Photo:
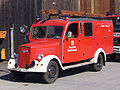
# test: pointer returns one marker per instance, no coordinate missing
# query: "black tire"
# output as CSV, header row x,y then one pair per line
x,y
18,75
52,72
98,66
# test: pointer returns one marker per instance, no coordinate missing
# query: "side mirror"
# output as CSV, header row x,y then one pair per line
x,y
23,29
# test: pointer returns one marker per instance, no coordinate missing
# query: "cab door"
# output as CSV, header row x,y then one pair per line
x,y
88,40
81,46
71,44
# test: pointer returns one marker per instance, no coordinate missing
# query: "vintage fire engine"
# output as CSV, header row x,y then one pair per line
x,y
62,44
116,33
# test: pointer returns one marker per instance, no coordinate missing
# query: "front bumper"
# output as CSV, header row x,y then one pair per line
x,y
30,70
37,68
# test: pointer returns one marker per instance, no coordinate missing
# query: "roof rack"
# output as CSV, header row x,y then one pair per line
x,y
73,14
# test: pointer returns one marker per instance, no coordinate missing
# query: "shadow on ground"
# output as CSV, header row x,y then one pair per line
x,y
36,78
116,59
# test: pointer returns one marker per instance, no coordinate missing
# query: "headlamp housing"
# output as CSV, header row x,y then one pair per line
x,y
40,56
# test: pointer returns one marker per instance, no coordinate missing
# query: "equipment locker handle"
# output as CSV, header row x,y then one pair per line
x,y
105,36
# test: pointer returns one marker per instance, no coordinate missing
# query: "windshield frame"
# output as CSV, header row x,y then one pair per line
x,y
47,30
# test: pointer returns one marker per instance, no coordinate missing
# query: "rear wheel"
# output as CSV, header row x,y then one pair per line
x,y
98,66
18,75
52,72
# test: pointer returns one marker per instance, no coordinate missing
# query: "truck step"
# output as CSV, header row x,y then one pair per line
x,y
77,65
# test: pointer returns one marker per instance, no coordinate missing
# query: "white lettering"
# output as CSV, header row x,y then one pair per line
x,y
105,25
102,25
72,47
72,50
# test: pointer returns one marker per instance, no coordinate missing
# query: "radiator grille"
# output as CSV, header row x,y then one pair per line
x,y
24,56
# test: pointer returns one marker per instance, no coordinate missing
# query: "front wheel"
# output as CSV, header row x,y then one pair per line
x,y
98,66
52,72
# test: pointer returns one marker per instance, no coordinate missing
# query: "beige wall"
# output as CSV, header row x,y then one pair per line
x,y
117,6
95,6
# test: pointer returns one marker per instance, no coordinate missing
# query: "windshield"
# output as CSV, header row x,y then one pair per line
x,y
116,23
53,32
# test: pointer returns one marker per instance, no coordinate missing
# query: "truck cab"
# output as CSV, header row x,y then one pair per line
x,y
62,43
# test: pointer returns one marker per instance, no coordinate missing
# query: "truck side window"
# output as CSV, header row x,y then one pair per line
x,y
88,31
80,27
73,30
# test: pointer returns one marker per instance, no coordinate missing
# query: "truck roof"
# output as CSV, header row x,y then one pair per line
x,y
63,22
82,19
53,22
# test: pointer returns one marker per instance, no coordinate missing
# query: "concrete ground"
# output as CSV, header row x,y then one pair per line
x,y
80,78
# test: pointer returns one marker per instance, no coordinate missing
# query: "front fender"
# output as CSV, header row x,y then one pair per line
x,y
45,61
39,66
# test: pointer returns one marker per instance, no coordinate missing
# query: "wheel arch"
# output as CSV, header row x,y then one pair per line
x,y
102,52
59,63
45,61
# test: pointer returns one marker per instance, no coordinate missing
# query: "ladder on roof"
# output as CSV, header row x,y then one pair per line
x,y
70,13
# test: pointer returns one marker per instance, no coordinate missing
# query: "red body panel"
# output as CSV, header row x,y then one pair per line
x,y
46,47
102,38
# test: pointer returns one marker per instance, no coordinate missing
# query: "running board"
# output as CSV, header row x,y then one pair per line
x,y
77,65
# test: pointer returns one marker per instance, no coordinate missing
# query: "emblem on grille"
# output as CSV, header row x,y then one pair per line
x,y
24,51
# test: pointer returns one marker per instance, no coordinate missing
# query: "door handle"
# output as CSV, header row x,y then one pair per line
x,y
105,36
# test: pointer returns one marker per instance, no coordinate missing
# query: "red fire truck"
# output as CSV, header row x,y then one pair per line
x,y
116,33
62,44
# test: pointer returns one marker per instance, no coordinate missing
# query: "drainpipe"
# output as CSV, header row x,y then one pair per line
x,y
12,40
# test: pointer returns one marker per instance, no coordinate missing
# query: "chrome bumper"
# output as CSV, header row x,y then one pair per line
x,y
116,49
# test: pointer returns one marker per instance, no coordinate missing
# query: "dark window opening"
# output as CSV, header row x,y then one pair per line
x,y
80,28
73,29
88,29
52,32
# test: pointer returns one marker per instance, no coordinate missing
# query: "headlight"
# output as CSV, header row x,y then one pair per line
x,y
22,29
40,56
34,63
